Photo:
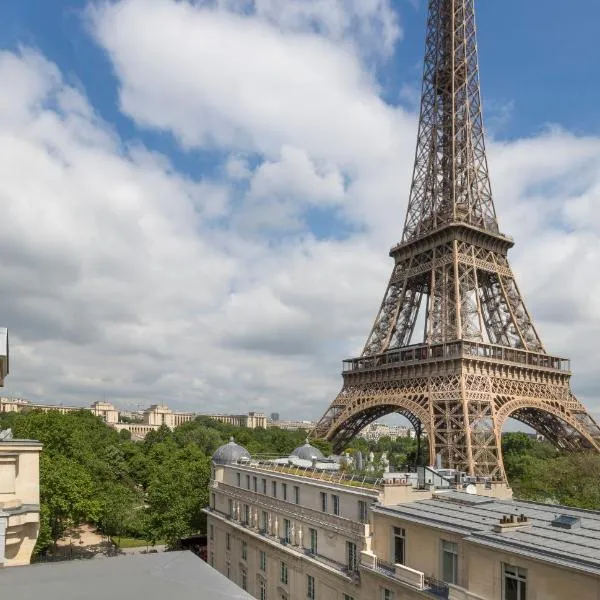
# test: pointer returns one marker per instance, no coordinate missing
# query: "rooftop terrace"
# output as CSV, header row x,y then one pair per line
x,y
326,476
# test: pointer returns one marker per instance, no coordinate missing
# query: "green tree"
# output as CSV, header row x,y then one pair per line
x,y
66,494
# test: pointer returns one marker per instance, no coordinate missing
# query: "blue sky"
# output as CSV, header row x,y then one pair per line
x,y
199,199
537,63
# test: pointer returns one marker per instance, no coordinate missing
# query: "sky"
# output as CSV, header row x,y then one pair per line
x,y
198,198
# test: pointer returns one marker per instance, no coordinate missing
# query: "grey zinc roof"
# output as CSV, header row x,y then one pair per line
x,y
230,453
475,517
172,575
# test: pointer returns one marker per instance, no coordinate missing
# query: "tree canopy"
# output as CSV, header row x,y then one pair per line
x,y
154,490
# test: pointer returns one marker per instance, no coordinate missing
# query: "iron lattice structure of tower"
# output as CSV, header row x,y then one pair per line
x,y
481,359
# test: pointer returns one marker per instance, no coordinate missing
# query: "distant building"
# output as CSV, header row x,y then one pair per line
x,y
19,499
275,417
149,420
106,411
295,425
375,431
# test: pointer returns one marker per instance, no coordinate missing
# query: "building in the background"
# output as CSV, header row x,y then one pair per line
x,y
251,420
293,532
106,411
375,431
138,423
274,417
295,425
158,415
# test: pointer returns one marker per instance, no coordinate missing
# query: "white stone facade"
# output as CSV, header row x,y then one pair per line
x,y
19,500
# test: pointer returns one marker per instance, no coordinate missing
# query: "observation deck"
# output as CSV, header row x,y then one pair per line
x,y
432,353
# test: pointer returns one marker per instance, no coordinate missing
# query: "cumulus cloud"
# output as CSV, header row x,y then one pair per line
x,y
128,278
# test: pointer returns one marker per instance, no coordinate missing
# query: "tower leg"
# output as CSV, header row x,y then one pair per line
x,y
418,457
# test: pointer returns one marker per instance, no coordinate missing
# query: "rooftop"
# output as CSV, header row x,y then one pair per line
x,y
173,575
573,540
320,473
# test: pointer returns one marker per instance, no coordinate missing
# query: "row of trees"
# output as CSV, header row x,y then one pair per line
x,y
155,490
539,472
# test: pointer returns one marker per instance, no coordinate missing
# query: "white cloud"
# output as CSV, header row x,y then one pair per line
x,y
371,25
245,85
129,279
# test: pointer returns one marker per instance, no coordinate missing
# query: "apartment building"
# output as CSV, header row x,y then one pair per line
x,y
291,532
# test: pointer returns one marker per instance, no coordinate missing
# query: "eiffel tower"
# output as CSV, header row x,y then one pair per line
x,y
481,360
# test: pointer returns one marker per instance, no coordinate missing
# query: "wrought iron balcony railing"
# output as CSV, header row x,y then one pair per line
x,y
351,572
409,576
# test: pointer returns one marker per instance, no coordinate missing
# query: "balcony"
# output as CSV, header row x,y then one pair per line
x,y
296,512
350,572
333,566
405,575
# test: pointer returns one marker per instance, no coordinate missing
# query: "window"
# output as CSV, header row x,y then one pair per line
x,y
399,545
244,551
244,580
238,479
336,504
262,588
264,486
255,484
230,507
228,541
284,490
363,512
212,532
213,500
274,489
449,562
310,587
348,597
386,594
247,482
228,570
212,559
351,557
264,520
313,541
323,501
287,531
246,514
284,573
515,583
296,494
263,561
